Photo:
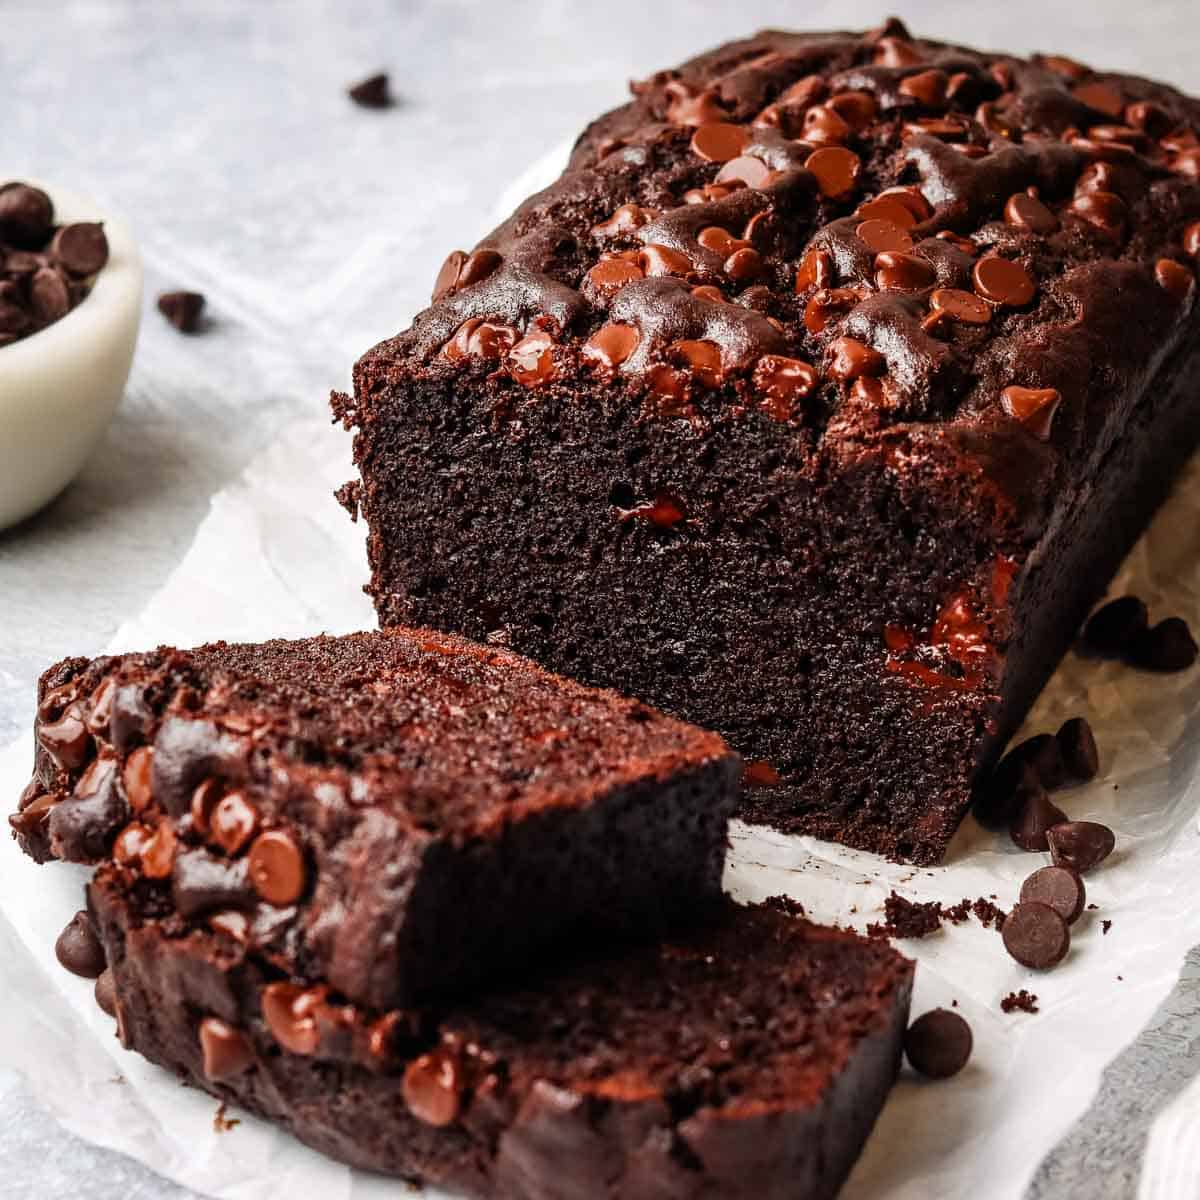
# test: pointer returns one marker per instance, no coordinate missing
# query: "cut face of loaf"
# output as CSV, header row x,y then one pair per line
x,y
815,403
401,813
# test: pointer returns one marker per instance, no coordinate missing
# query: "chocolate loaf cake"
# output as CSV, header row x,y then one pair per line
x,y
400,814
748,1059
815,402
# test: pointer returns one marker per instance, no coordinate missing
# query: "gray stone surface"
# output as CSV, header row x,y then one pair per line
x,y
220,129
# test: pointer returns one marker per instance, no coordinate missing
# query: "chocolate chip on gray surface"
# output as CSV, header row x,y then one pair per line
x,y
1036,816
1035,935
182,309
79,948
1112,628
1077,746
1058,886
938,1044
1168,646
1080,845
373,92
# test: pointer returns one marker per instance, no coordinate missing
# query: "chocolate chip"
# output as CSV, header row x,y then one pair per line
x,y
882,235
1023,211
720,141
136,776
1081,845
288,1010
226,1050
1004,792
1191,239
960,306
233,822
1077,743
79,948
849,359
1175,279
1035,935
1059,887
99,708
836,170
1103,211
1168,646
701,357
1113,628
824,127
610,346
106,992
433,1088
1101,97
903,272
66,739
744,170
372,92
610,275
1003,281
816,270
857,109
49,296
80,249
926,87
889,208
130,842
1033,408
1044,754
938,1043
26,215
781,382
277,870
158,854
1036,815
182,309
531,360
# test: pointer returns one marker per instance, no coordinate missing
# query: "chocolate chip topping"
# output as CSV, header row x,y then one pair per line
x,y
1059,887
277,870
79,949
1080,845
226,1049
433,1088
1035,935
182,309
938,1044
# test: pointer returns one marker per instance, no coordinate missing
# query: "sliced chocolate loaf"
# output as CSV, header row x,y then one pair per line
x,y
399,814
746,1059
815,402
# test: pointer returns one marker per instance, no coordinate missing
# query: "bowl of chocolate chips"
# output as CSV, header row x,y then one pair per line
x,y
70,304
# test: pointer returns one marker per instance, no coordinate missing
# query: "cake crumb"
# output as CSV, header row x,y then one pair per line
x,y
1021,1001
988,914
222,1123
907,918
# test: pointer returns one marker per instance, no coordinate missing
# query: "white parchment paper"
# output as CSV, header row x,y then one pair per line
x,y
276,556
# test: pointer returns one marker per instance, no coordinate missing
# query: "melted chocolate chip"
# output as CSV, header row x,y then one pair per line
x,y
836,170
1023,211
288,1010
1034,408
433,1088
1003,281
234,821
225,1048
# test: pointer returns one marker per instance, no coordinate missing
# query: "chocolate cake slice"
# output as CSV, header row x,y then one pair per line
x,y
748,1058
400,814
815,403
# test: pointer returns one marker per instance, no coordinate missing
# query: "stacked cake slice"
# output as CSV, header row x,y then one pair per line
x,y
445,915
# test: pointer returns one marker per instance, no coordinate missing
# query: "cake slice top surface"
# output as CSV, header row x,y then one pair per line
x,y
758,1007
456,736
869,239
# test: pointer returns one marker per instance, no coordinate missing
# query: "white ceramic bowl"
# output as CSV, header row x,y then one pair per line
x,y
60,387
